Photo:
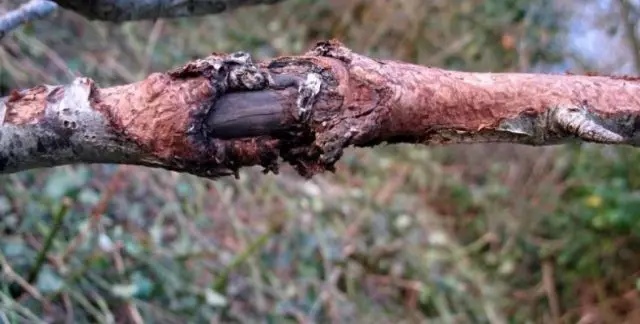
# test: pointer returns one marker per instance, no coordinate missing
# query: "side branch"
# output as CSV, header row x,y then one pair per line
x,y
129,10
122,10
32,10
215,115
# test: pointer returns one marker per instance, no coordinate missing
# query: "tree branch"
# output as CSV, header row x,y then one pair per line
x,y
630,31
128,10
213,116
122,10
32,10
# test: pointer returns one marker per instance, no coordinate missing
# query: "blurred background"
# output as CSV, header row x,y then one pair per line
x,y
399,234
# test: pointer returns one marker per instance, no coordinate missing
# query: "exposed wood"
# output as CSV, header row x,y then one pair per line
x,y
247,114
213,116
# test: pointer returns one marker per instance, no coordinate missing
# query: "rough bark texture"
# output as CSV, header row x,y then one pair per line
x,y
213,116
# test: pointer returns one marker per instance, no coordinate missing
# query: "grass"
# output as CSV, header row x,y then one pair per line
x,y
460,234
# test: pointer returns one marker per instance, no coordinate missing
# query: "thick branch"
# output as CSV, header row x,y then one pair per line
x,y
32,10
127,10
216,115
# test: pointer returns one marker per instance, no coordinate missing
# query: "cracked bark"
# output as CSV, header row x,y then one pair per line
x,y
215,115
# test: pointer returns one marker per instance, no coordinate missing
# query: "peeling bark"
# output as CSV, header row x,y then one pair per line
x,y
215,115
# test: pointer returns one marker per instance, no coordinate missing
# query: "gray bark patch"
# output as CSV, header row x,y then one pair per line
x,y
71,131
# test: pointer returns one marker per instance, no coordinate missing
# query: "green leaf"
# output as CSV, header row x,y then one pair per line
x,y
140,287
5,205
63,183
215,299
124,291
89,197
13,248
143,285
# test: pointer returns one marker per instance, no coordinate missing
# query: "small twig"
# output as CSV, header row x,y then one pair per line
x,y
630,30
96,213
118,261
68,308
57,224
550,288
4,318
13,276
136,318
52,55
327,293
9,303
32,10
221,281
151,44
88,306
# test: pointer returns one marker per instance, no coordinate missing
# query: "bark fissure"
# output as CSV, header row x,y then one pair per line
x,y
218,114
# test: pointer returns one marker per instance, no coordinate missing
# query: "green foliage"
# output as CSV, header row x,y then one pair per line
x,y
601,220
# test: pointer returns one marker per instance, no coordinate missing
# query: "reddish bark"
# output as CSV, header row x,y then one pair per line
x,y
210,121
